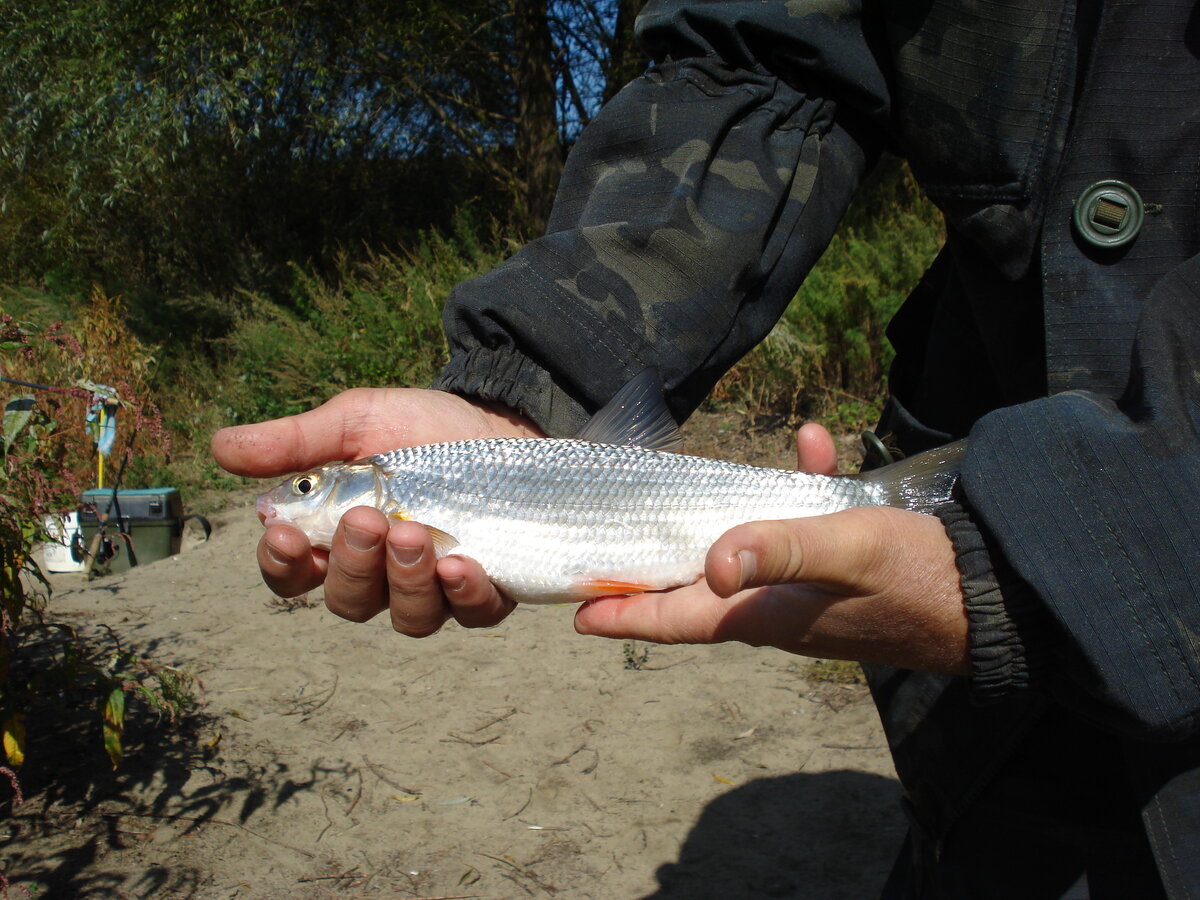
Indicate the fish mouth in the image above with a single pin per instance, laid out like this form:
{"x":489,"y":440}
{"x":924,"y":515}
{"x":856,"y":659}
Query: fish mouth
{"x":266,"y":512}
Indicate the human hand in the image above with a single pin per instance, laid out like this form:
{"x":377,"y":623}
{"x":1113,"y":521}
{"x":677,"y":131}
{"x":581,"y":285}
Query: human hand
{"x":873,"y":584}
{"x":373,"y":564}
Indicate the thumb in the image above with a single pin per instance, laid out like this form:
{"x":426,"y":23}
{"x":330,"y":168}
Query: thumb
{"x":828,"y":550}
{"x":815,"y":450}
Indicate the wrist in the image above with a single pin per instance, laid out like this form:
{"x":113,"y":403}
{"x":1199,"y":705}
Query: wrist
{"x":503,"y":421}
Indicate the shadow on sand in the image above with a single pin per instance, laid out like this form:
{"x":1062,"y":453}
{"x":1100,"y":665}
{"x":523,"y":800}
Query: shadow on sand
{"x":76,"y":809}
{"x":818,"y":836}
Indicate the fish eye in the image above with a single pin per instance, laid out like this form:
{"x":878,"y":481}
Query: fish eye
{"x":304,"y":484}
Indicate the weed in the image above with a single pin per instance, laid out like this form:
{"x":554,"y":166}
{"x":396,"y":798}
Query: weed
{"x":379,"y":323}
{"x":291,"y":604}
{"x":43,"y":465}
{"x":635,"y":658}
{"x":834,"y":671}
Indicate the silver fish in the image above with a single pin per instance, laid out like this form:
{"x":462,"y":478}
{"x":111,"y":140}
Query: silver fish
{"x":605,"y":514}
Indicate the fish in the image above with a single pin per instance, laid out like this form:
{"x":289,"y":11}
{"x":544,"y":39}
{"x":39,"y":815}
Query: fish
{"x":613,"y":511}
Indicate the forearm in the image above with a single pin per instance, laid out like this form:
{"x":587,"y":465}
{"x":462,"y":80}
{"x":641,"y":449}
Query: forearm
{"x":688,"y":214}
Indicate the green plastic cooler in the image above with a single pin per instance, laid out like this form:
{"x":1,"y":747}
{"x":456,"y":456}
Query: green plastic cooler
{"x":152,"y":517}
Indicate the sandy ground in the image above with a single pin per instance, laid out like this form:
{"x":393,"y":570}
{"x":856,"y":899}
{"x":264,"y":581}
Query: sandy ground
{"x":333,"y":760}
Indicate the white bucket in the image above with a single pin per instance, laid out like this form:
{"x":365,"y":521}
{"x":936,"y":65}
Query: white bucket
{"x":56,"y":553}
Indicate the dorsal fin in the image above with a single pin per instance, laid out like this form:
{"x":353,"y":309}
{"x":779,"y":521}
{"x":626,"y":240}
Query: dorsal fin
{"x":637,"y":415}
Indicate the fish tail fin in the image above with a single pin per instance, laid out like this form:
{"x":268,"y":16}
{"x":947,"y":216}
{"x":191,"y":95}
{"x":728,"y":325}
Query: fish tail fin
{"x":920,"y":482}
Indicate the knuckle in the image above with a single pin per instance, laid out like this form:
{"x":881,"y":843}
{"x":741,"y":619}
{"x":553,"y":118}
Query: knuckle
{"x":413,"y":590}
{"x":354,"y":577}
{"x":352,"y":399}
{"x":356,"y":570}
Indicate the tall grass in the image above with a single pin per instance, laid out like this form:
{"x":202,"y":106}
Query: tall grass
{"x":94,"y":351}
{"x":379,"y":324}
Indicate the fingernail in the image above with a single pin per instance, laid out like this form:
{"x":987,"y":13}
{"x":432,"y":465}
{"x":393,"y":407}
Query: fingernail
{"x":277,"y":556}
{"x":406,"y":556}
{"x":454,"y":584}
{"x":749,"y":565}
{"x":360,"y":539}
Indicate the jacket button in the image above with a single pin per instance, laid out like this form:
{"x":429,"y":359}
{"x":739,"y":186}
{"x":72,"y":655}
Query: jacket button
{"x":1108,"y":214}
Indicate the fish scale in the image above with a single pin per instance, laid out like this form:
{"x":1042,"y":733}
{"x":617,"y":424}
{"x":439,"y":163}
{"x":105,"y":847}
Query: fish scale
{"x":549,"y":520}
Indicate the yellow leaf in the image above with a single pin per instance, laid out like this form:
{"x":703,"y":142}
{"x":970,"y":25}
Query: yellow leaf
{"x":14,"y":739}
{"x":114,"y":724}
{"x":722,"y":780}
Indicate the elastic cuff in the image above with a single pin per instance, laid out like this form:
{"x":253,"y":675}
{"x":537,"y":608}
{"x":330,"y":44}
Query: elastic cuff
{"x":506,"y":377}
{"x":1008,"y":626}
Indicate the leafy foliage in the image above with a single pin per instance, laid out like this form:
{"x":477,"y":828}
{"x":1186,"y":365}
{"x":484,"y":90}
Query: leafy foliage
{"x":100,"y":349}
{"x":194,"y":145}
{"x":43,"y":661}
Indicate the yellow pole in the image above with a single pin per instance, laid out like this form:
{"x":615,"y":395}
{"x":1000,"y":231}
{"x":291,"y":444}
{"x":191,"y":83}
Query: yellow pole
{"x":99,"y":455}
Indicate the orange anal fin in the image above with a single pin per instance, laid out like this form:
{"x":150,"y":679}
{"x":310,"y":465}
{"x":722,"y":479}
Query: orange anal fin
{"x":592,"y":588}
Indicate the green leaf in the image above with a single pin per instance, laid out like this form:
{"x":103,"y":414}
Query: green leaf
{"x":17,"y":413}
{"x":114,"y":724}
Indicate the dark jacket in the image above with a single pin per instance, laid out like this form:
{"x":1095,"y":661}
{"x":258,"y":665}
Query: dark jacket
{"x":700,"y":197}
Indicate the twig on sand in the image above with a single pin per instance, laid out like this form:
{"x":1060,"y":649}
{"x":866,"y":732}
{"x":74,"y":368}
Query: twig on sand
{"x":528,"y":800}
{"x":375,"y":770}
{"x":204,"y":821}
{"x":490,"y":722}
{"x":523,"y":872}
{"x":586,"y":771}
{"x":352,"y":874}
{"x":567,"y":758}
{"x":459,"y":739}
{"x":328,"y":818}
{"x":678,"y":662}
{"x":307,"y":707}
{"x":495,"y":768}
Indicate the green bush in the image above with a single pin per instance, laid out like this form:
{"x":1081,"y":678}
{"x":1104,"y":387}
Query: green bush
{"x":43,"y":663}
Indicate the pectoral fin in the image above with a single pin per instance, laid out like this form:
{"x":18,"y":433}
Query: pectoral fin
{"x":443,"y":542}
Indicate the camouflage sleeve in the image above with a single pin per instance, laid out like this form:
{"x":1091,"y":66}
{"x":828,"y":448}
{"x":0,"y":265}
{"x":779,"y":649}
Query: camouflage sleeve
{"x":688,"y":213}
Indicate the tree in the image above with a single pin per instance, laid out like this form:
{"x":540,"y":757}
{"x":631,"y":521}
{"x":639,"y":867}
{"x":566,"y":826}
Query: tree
{"x":539,"y":156}
{"x":625,"y":58}
{"x":193,"y":144}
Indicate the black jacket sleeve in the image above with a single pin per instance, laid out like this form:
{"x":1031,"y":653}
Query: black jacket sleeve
{"x":1094,"y":503}
{"x":688,"y":213}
